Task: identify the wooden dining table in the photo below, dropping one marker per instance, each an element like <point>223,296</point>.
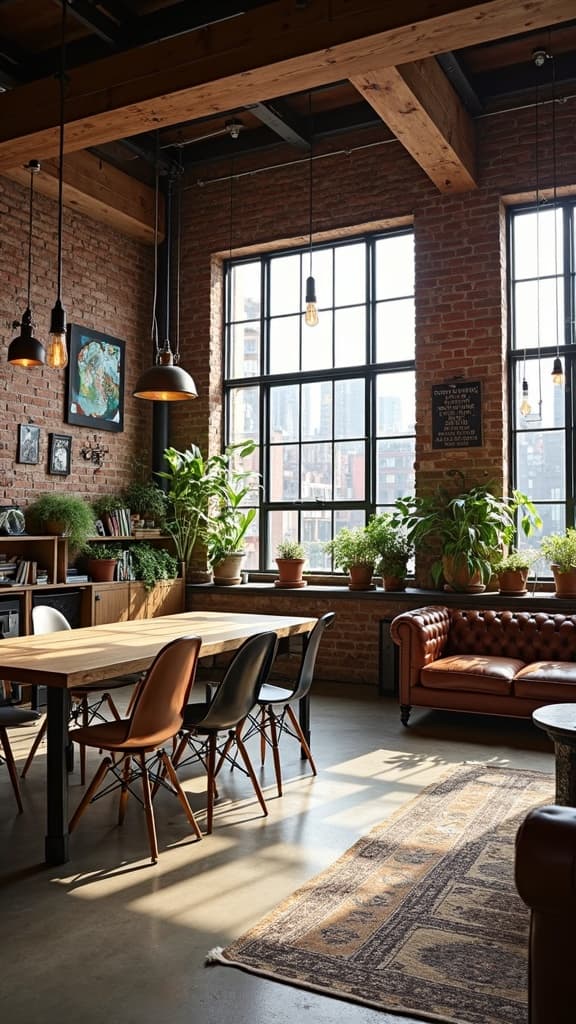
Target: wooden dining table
<point>75,657</point>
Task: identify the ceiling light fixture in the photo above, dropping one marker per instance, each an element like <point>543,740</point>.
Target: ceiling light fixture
<point>166,381</point>
<point>57,352</point>
<point>25,349</point>
<point>311,314</point>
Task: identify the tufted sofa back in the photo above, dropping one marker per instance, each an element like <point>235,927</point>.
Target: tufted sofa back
<point>528,636</point>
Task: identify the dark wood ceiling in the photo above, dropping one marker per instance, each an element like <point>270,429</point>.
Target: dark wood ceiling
<point>486,77</point>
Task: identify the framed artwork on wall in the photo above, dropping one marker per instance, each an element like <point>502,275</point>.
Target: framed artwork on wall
<point>28,444</point>
<point>60,454</point>
<point>95,382</point>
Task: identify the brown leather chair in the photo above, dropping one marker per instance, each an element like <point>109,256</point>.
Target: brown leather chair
<point>156,718</point>
<point>546,881</point>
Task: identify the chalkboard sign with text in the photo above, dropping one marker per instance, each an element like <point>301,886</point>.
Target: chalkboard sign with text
<point>456,415</point>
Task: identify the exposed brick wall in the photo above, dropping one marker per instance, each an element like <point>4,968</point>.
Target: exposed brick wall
<point>107,285</point>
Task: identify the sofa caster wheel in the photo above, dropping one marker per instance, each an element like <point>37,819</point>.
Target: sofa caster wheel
<point>405,710</point>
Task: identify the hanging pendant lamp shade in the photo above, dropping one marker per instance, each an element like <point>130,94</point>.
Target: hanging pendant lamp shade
<point>25,349</point>
<point>166,381</point>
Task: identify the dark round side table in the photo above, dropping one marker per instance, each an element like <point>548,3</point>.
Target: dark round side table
<point>559,721</point>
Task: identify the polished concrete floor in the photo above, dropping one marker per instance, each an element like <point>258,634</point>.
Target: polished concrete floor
<point>108,937</point>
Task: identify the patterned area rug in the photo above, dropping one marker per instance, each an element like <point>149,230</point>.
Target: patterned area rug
<point>421,916</point>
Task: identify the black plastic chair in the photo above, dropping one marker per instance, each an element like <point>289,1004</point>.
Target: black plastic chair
<point>227,712</point>
<point>275,715</point>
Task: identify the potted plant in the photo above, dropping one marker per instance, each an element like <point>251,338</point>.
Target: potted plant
<point>62,514</point>
<point>193,484</point>
<point>290,560</point>
<point>146,502</point>
<point>473,528</point>
<point>354,552</point>
<point>102,561</point>
<point>560,550</point>
<point>512,571</point>
<point>393,548</point>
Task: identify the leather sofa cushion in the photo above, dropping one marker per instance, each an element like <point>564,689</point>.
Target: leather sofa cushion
<point>475,673</point>
<point>547,680</point>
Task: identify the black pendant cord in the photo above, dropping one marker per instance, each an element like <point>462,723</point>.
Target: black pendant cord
<point>168,251</point>
<point>310,184</point>
<point>555,200</point>
<point>154,329</point>
<point>178,258</point>
<point>31,206</point>
<point>61,148</point>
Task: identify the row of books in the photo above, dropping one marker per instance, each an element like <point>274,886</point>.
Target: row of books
<point>17,574</point>
<point>117,522</point>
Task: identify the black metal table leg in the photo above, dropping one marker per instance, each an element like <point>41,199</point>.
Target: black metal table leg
<point>304,705</point>
<point>56,842</point>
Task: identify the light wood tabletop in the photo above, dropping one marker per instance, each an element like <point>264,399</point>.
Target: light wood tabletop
<point>71,658</point>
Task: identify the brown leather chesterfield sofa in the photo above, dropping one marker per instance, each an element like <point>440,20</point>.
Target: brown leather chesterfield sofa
<point>546,881</point>
<point>491,662</point>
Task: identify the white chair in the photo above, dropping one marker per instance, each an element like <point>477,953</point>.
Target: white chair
<point>82,711</point>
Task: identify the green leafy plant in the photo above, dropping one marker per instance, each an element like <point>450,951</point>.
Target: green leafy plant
<point>515,561</point>
<point>151,564</point>
<point>66,514</point>
<point>352,547</point>
<point>146,499</point>
<point>106,503</point>
<point>472,526</point>
<point>560,549</point>
<point>195,485</point>
<point>290,549</point>
<point>103,551</point>
<point>393,548</point>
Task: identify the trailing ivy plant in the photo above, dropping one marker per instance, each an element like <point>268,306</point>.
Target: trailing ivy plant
<point>151,564</point>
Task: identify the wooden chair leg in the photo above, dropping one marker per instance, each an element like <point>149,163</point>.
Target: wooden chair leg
<point>251,773</point>
<point>40,736</point>
<point>302,738</point>
<point>275,750</point>
<point>11,765</point>
<point>149,810</point>
<point>179,751</point>
<point>94,785</point>
<point>124,791</point>
<point>112,707</point>
<point>169,767</point>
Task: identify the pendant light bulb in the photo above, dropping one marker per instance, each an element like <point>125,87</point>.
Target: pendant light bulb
<point>525,407</point>
<point>57,351</point>
<point>558,372</point>
<point>311,315</point>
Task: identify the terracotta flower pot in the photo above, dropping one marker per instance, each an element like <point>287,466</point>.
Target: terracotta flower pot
<point>227,572</point>
<point>361,577</point>
<point>393,582</point>
<point>290,572</point>
<point>565,582</point>
<point>459,578</point>
<point>102,569</point>
<point>513,581</point>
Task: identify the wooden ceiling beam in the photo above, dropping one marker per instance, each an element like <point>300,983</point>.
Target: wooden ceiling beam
<point>100,191</point>
<point>420,106</point>
<point>268,52</point>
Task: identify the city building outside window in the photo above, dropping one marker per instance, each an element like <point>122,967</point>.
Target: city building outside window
<point>542,246</point>
<point>331,407</point>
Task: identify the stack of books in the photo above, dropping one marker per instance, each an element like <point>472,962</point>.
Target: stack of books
<point>8,571</point>
<point>73,576</point>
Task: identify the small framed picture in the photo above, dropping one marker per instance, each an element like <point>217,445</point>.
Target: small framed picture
<point>28,444</point>
<point>60,454</point>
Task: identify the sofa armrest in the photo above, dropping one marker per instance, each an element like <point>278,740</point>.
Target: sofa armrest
<point>421,635</point>
<point>546,860</point>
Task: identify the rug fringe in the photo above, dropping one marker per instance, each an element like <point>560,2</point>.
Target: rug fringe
<point>215,956</point>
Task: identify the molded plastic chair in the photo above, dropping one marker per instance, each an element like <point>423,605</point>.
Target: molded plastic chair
<point>275,716</point>
<point>10,717</point>
<point>156,718</point>
<point>49,620</point>
<point>227,711</point>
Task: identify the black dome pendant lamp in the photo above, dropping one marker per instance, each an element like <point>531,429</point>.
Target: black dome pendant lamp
<point>25,349</point>
<point>166,381</point>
